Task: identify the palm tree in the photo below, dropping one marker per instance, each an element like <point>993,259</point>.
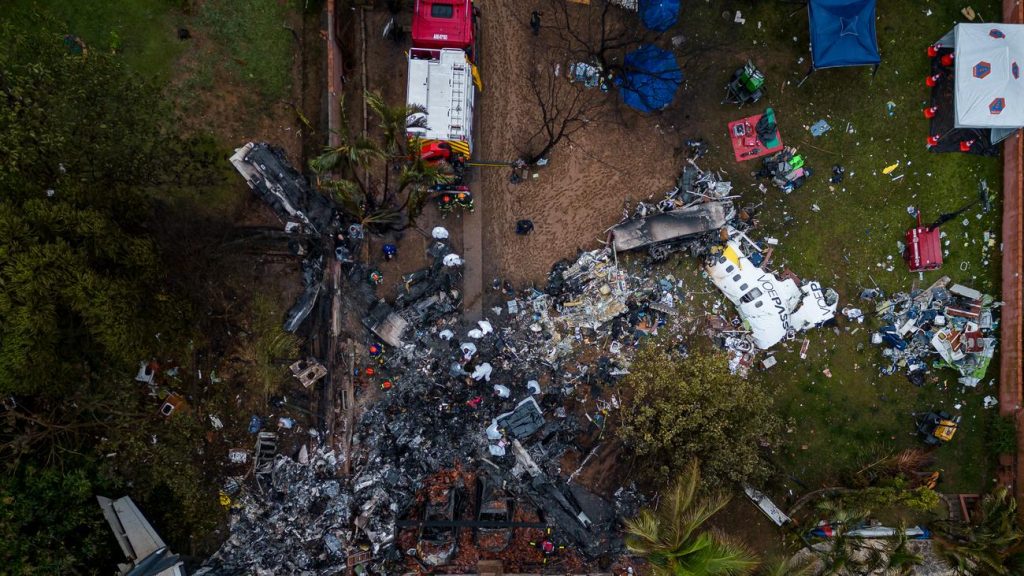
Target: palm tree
<point>673,540</point>
<point>845,554</point>
<point>994,545</point>
<point>900,559</point>
<point>384,182</point>
<point>788,567</point>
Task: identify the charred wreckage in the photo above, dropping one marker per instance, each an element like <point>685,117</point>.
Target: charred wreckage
<point>508,397</point>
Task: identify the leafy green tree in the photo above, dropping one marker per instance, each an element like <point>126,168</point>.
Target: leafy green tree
<point>895,495</point>
<point>85,149</point>
<point>80,281</point>
<point>50,523</point>
<point>992,544</point>
<point>673,538</point>
<point>382,182</point>
<point>694,408</point>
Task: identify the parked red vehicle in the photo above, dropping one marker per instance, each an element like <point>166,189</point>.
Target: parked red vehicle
<point>443,24</point>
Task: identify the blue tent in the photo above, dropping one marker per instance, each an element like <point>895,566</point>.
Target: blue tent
<point>659,15</point>
<point>650,78</point>
<point>843,33</point>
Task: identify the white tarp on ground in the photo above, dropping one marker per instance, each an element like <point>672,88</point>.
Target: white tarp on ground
<point>989,90</point>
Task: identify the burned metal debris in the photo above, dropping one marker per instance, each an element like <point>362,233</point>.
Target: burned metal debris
<point>689,217</point>
<point>495,398</point>
<point>270,175</point>
<point>950,326</point>
<point>303,210</point>
<point>312,282</point>
<point>434,415</point>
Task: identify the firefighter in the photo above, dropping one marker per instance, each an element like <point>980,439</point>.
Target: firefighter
<point>464,200</point>
<point>547,545</point>
<point>375,350</point>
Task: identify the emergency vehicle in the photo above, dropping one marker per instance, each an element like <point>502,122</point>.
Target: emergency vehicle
<point>443,75</point>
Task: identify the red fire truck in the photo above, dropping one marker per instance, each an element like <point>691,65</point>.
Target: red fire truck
<point>442,73</point>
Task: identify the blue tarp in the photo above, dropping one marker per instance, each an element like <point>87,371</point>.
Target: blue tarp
<point>659,15</point>
<point>650,78</point>
<point>843,33</point>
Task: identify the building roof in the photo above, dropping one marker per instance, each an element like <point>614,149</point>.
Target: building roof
<point>989,90</point>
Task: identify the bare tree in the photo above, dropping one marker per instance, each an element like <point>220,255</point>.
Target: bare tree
<point>563,108</point>
<point>598,34</point>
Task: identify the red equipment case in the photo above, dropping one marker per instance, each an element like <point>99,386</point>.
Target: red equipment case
<point>924,248</point>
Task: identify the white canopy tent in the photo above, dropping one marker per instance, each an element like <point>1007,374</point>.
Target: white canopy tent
<point>989,90</point>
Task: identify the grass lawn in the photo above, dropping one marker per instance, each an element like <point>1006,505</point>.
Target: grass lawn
<point>257,38</point>
<point>250,36</point>
<point>851,242</point>
<point>144,32</point>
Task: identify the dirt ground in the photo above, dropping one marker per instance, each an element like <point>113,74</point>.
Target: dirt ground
<point>572,201</point>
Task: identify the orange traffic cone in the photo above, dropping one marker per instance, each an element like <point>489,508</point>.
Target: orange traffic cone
<point>965,145</point>
<point>933,79</point>
<point>933,141</point>
<point>946,60</point>
<point>933,50</point>
<point>930,111</point>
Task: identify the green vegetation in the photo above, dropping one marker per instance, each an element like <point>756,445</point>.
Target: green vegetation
<point>142,32</point>
<point>48,521</point>
<point>258,39</point>
<point>251,39</point>
<point>694,409</point>
<point>112,225</point>
<point>1003,435</point>
<point>81,281</point>
<point>845,555</point>
<point>384,182</point>
<point>881,499</point>
<point>83,297</point>
<point>264,344</point>
<point>993,544</point>
<point>842,420</point>
<point>673,538</point>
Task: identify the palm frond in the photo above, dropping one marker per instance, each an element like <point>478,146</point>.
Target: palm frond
<point>673,538</point>
<point>788,567</point>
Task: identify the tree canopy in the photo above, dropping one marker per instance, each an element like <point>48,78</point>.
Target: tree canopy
<point>79,277</point>
<point>86,148</point>
<point>682,409</point>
